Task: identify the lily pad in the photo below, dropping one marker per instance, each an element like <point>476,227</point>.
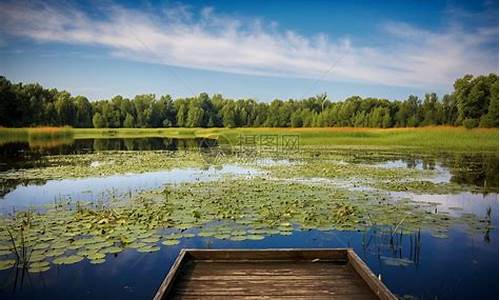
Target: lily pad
<point>5,246</point>
<point>7,264</point>
<point>396,262</point>
<point>54,252</point>
<point>97,261</point>
<point>148,248</point>
<point>96,256</point>
<point>41,246</point>
<point>151,239</point>
<point>5,252</point>
<point>135,245</point>
<point>38,267</point>
<point>67,260</point>
<point>237,238</point>
<point>254,237</point>
<point>170,242</point>
<point>37,256</point>
<point>112,249</point>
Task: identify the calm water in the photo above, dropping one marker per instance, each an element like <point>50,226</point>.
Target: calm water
<point>462,266</point>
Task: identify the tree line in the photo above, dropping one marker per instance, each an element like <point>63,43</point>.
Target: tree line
<point>473,103</point>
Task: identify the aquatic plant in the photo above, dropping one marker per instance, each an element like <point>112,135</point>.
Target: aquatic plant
<point>300,194</point>
<point>106,163</point>
<point>233,208</point>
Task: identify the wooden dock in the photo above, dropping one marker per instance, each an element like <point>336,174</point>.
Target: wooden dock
<point>271,274</point>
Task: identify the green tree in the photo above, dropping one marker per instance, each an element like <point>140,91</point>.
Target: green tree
<point>432,110</point>
<point>473,97</point>
<point>474,102</point>
<point>50,115</point>
<point>181,116</point>
<point>129,121</point>
<point>296,119</point>
<point>195,114</point>
<point>229,115</point>
<point>490,119</point>
<point>450,110</point>
<point>83,112</point>
<point>98,121</point>
<point>386,119</point>
<point>66,109</point>
<point>168,113</point>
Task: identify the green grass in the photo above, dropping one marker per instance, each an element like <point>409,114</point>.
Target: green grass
<point>38,136</point>
<point>426,138</point>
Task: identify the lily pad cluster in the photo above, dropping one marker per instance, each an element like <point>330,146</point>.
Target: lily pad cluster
<point>332,168</point>
<point>106,163</point>
<point>424,187</point>
<point>361,174</point>
<point>66,236</point>
<point>233,209</point>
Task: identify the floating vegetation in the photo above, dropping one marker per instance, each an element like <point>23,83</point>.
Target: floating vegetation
<point>106,163</point>
<point>234,209</point>
<point>148,248</point>
<point>96,256</point>
<point>151,239</point>
<point>39,267</point>
<point>170,242</point>
<point>97,261</point>
<point>67,260</point>
<point>396,262</point>
<point>7,264</point>
<point>66,234</point>
<point>423,186</point>
<point>321,168</point>
<point>111,250</point>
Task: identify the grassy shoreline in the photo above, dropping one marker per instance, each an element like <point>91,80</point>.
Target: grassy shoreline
<point>439,138</point>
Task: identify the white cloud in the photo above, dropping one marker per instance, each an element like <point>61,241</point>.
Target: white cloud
<point>175,36</point>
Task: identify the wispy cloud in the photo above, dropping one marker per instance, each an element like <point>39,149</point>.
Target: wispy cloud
<point>410,56</point>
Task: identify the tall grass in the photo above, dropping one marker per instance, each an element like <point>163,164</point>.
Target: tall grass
<point>425,138</point>
<point>37,137</point>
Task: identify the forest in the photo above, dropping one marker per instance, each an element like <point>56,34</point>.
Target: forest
<point>473,103</point>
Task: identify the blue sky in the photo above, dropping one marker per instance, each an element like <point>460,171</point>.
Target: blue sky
<point>248,49</point>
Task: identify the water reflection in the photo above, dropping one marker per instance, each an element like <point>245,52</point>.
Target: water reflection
<point>110,187</point>
<point>391,246</point>
<point>456,204</point>
<point>477,169</point>
<point>461,267</point>
<point>25,155</point>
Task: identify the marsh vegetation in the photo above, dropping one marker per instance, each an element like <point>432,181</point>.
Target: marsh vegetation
<point>96,202</point>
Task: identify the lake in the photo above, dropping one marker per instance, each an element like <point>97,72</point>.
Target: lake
<point>106,218</point>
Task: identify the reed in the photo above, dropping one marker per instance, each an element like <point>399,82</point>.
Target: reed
<point>434,138</point>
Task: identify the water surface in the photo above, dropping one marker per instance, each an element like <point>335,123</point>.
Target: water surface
<point>464,265</point>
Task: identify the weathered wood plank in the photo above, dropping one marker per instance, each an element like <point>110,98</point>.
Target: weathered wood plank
<point>263,297</point>
<point>270,289</point>
<point>270,268</point>
<point>371,280</point>
<point>242,291</point>
<point>197,277</point>
<point>267,254</point>
<point>271,274</point>
<point>168,284</point>
<point>271,283</point>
